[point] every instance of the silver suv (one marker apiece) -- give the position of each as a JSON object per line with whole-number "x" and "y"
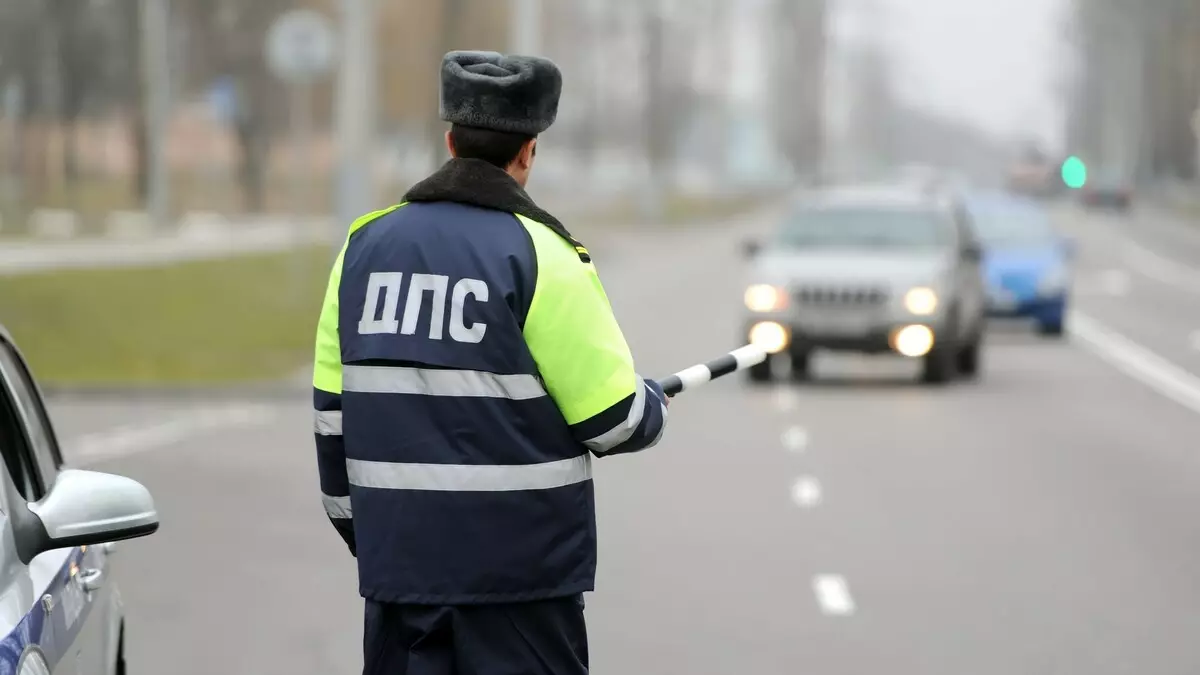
{"x": 870, "y": 270}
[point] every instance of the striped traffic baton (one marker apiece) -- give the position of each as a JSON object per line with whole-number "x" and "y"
{"x": 690, "y": 378}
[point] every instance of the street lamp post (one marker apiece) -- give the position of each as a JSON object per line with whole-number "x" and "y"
{"x": 355, "y": 112}
{"x": 526, "y": 26}
{"x": 155, "y": 17}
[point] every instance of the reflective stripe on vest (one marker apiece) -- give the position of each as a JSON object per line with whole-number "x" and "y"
{"x": 468, "y": 477}
{"x": 328, "y": 422}
{"x": 439, "y": 382}
{"x": 337, "y": 507}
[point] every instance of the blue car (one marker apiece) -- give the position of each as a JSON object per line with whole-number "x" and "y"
{"x": 1026, "y": 261}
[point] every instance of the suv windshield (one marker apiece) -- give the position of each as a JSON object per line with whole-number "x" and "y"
{"x": 865, "y": 227}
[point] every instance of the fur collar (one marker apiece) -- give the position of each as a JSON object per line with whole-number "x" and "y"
{"x": 478, "y": 183}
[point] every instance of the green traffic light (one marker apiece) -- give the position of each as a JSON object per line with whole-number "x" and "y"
{"x": 1074, "y": 173}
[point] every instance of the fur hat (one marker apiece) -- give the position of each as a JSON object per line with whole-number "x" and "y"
{"x": 516, "y": 94}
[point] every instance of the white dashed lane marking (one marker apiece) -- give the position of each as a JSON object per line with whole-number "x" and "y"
{"x": 806, "y": 492}
{"x": 795, "y": 439}
{"x": 832, "y": 592}
{"x": 833, "y": 595}
{"x": 786, "y": 400}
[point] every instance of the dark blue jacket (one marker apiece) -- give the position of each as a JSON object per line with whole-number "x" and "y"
{"x": 468, "y": 367}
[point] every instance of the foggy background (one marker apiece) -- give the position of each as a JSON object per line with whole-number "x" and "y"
{"x": 775, "y": 89}
{"x": 170, "y": 208}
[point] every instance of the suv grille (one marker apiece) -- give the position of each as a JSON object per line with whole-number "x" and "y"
{"x": 840, "y": 296}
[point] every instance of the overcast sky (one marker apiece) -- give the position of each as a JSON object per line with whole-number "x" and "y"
{"x": 994, "y": 61}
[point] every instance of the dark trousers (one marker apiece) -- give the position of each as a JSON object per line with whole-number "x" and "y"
{"x": 545, "y": 637}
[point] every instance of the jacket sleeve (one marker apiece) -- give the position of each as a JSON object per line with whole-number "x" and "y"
{"x": 582, "y": 354}
{"x": 327, "y": 411}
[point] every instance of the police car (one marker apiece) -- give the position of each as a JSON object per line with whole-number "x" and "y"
{"x": 59, "y": 611}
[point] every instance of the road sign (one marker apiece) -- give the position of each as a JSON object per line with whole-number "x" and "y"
{"x": 301, "y": 46}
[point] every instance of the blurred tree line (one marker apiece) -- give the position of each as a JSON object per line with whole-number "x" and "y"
{"x": 63, "y": 61}
{"x": 631, "y": 66}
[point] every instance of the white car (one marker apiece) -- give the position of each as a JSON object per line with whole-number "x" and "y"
{"x": 59, "y": 611}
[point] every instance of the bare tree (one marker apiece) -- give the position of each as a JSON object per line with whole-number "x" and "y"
{"x": 81, "y": 76}
{"x": 798, "y": 78}
{"x": 670, "y": 96}
{"x": 62, "y": 53}
{"x": 240, "y": 29}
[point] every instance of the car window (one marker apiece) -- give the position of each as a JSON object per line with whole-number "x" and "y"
{"x": 1012, "y": 226}
{"x": 14, "y": 445}
{"x": 865, "y": 227}
{"x": 30, "y": 409}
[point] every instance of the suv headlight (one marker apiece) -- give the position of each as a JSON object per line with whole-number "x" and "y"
{"x": 921, "y": 301}
{"x": 765, "y": 298}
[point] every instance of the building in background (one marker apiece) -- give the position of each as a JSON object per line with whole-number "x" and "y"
{"x": 1136, "y": 87}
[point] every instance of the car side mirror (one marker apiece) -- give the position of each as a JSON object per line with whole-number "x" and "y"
{"x": 751, "y": 247}
{"x": 84, "y": 508}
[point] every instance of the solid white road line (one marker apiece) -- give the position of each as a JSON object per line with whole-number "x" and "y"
{"x": 795, "y": 439}
{"x": 806, "y": 492}
{"x": 175, "y": 428}
{"x": 1147, "y": 262}
{"x": 833, "y": 595}
{"x": 1137, "y": 361}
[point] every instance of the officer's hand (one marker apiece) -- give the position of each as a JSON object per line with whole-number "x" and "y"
{"x": 658, "y": 391}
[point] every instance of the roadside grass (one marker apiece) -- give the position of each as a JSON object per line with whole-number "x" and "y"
{"x": 232, "y": 320}
{"x": 239, "y": 320}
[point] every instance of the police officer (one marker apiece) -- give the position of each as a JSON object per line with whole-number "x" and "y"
{"x": 468, "y": 367}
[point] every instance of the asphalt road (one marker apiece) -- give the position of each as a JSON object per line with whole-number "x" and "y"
{"x": 1042, "y": 520}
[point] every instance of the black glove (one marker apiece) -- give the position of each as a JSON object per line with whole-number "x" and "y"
{"x": 345, "y": 527}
